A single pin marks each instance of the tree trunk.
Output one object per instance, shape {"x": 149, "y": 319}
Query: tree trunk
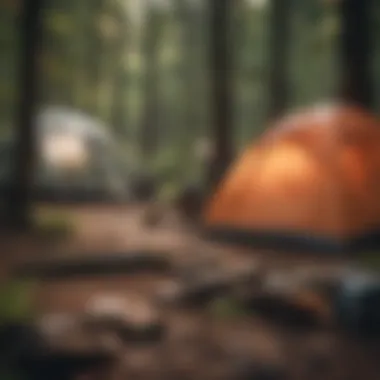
{"x": 279, "y": 38}
{"x": 356, "y": 53}
{"x": 19, "y": 206}
{"x": 79, "y": 84}
{"x": 95, "y": 51}
{"x": 150, "y": 116}
{"x": 189, "y": 17}
{"x": 118, "y": 112}
{"x": 120, "y": 83}
{"x": 221, "y": 91}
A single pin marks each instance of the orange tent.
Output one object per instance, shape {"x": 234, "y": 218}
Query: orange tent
{"x": 313, "y": 177}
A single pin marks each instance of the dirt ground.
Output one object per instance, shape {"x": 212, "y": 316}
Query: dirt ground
{"x": 198, "y": 345}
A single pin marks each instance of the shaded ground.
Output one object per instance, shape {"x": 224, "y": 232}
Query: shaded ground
{"x": 199, "y": 344}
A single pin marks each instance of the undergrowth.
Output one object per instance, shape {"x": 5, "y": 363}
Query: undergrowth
{"x": 16, "y": 301}
{"x": 53, "y": 225}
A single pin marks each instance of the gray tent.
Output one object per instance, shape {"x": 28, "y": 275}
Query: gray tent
{"x": 77, "y": 154}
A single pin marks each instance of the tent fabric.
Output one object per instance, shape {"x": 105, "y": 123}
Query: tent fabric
{"x": 77, "y": 155}
{"x": 313, "y": 174}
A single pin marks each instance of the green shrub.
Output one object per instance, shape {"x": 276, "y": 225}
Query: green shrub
{"x": 54, "y": 225}
{"x": 16, "y": 301}
{"x": 226, "y": 308}
{"x": 370, "y": 259}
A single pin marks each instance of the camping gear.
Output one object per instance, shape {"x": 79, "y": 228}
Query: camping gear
{"x": 312, "y": 181}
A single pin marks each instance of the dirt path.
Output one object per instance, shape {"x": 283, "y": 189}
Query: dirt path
{"x": 198, "y": 346}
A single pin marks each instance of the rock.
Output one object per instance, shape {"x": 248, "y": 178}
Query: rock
{"x": 200, "y": 283}
{"x": 195, "y": 268}
{"x": 298, "y": 311}
{"x": 199, "y": 292}
{"x": 325, "y": 282}
{"x": 169, "y": 294}
{"x": 131, "y": 319}
{"x": 246, "y": 281}
{"x": 67, "y": 333}
{"x": 357, "y": 304}
{"x": 287, "y": 298}
{"x": 57, "y": 346}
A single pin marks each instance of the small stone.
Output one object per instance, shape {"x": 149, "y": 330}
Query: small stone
{"x": 280, "y": 281}
{"x": 246, "y": 282}
{"x": 169, "y": 293}
{"x": 131, "y": 319}
{"x": 64, "y": 333}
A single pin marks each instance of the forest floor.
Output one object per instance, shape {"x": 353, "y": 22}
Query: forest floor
{"x": 198, "y": 345}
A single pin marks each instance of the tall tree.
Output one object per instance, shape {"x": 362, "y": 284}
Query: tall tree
{"x": 221, "y": 91}
{"x": 150, "y": 116}
{"x": 356, "y": 52}
{"x": 61, "y": 50}
{"x": 19, "y": 205}
{"x": 279, "y": 38}
{"x": 95, "y": 54}
{"x": 190, "y": 17}
{"x": 80, "y": 10}
{"x": 120, "y": 78}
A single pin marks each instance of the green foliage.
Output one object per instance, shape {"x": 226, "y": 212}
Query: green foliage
{"x": 370, "y": 259}
{"x": 60, "y": 23}
{"x": 16, "y": 301}
{"x": 53, "y": 225}
{"x": 95, "y": 52}
{"x": 226, "y": 308}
